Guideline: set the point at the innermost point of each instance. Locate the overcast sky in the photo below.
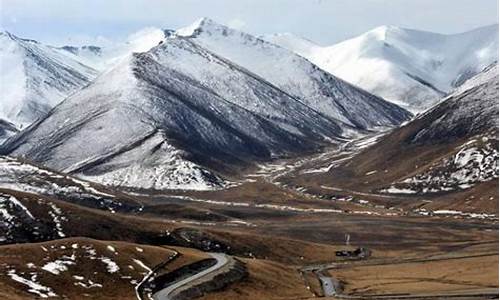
(324, 21)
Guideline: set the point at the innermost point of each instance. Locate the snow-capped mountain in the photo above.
(470, 113)
(409, 67)
(451, 147)
(472, 109)
(292, 73)
(244, 89)
(168, 117)
(145, 124)
(34, 78)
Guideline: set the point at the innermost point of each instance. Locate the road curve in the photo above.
(165, 294)
(139, 289)
(328, 286)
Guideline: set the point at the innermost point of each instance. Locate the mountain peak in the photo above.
(381, 32)
(201, 25)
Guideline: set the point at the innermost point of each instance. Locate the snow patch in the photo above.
(111, 266)
(33, 286)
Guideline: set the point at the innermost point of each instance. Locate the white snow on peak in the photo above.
(116, 116)
(293, 74)
(191, 29)
(145, 39)
(470, 112)
(473, 106)
(208, 93)
(409, 67)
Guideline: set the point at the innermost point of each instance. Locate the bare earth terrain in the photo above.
(283, 235)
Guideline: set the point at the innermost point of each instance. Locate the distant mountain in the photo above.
(290, 72)
(408, 67)
(104, 57)
(34, 78)
(467, 121)
(469, 111)
(177, 115)
(452, 147)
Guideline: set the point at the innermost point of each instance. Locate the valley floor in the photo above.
(280, 236)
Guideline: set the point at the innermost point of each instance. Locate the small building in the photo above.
(360, 252)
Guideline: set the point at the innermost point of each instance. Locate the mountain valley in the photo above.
(210, 163)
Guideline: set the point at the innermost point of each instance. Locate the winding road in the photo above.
(328, 286)
(167, 293)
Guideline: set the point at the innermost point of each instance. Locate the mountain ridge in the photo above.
(412, 68)
(34, 78)
(316, 88)
(176, 115)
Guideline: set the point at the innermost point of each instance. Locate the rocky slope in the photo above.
(450, 148)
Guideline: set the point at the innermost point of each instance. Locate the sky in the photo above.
(79, 22)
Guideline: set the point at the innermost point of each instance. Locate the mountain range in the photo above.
(209, 163)
(168, 117)
(187, 108)
(411, 68)
(449, 154)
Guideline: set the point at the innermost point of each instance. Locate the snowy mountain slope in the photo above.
(408, 67)
(144, 124)
(89, 55)
(295, 75)
(105, 57)
(472, 109)
(7, 130)
(244, 89)
(299, 45)
(34, 78)
(486, 75)
(452, 147)
(34, 202)
(471, 112)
